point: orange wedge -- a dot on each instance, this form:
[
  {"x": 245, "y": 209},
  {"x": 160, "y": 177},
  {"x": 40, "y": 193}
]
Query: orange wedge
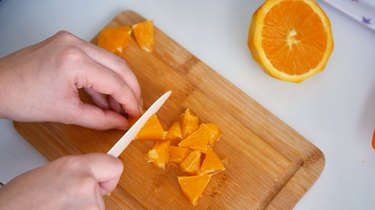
[
  {"x": 211, "y": 163},
  {"x": 189, "y": 123},
  {"x": 152, "y": 130},
  {"x": 192, "y": 163},
  {"x": 178, "y": 154},
  {"x": 114, "y": 39},
  {"x": 193, "y": 186},
  {"x": 214, "y": 134},
  {"x": 197, "y": 140},
  {"x": 290, "y": 39},
  {"x": 144, "y": 35},
  {"x": 174, "y": 133},
  {"x": 159, "y": 154}
]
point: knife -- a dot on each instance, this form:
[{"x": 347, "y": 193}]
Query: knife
[{"x": 125, "y": 140}]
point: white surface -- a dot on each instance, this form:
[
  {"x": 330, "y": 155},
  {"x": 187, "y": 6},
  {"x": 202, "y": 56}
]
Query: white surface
[{"x": 334, "y": 109}]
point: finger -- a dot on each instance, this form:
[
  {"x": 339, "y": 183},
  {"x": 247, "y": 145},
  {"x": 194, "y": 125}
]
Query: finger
[
  {"x": 93, "y": 117},
  {"x": 114, "y": 105},
  {"x": 99, "y": 99},
  {"x": 115, "y": 64},
  {"x": 106, "y": 169},
  {"x": 104, "y": 81}
]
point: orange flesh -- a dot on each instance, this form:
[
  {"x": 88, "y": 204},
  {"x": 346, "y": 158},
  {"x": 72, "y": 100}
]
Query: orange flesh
[{"x": 289, "y": 32}]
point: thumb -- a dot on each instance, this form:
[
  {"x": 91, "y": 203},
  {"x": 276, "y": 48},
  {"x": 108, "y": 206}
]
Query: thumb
[{"x": 91, "y": 116}]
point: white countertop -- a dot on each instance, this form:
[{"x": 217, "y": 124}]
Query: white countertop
[{"x": 335, "y": 110}]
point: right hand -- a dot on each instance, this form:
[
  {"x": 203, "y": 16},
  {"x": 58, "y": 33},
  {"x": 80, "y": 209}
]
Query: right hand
[{"x": 71, "y": 182}]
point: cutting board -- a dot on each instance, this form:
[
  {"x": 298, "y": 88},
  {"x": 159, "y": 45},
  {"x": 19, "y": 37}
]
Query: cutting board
[{"x": 269, "y": 165}]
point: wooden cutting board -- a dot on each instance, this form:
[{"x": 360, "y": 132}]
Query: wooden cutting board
[{"x": 270, "y": 165}]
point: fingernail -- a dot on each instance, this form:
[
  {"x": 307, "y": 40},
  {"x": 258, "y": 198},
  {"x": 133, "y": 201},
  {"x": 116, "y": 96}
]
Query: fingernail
[{"x": 140, "y": 109}]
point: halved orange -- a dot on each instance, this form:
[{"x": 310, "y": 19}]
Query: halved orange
[
  {"x": 193, "y": 186},
  {"x": 178, "y": 154},
  {"x": 144, "y": 35},
  {"x": 291, "y": 40},
  {"x": 197, "y": 140},
  {"x": 159, "y": 154},
  {"x": 211, "y": 163},
  {"x": 114, "y": 39},
  {"x": 174, "y": 133},
  {"x": 189, "y": 122},
  {"x": 191, "y": 163},
  {"x": 152, "y": 130}
]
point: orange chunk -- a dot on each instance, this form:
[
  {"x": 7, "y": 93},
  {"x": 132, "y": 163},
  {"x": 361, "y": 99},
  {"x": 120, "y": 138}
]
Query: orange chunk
[
  {"x": 197, "y": 140},
  {"x": 178, "y": 154},
  {"x": 144, "y": 35},
  {"x": 152, "y": 130},
  {"x": 214, "y": 135},
  {"x": 114, "y": 39},
  {"x": 174, "y": 132},
  {"x": 193, "y": 186},
  {"x": 159, "y": 154},
  {"x": 211, "y": 163},
  {"x": 189, "y": 123},
  {"x": 192, "y": 163}
]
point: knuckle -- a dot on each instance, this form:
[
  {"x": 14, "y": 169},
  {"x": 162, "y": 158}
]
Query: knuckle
[{"x": 65, "y": 37}]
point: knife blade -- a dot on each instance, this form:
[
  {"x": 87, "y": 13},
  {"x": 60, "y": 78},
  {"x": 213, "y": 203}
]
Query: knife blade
[{"x": 126, "y": 139}]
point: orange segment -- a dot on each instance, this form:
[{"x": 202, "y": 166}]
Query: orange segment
[
  {"x": 178, "y": 154},
  {"x": 174, "y": 132},
  {"x": 192, "y": 163},
  {"x": 144, "y": 35},
  {"x": 193, "y": 186},
  {"x": 291, "y": 40},
  {"x": 214, "y": 134},
  {"x": 211, "y": 163},
  {"x": 189, "y": 123},
  {"x": 114, "y": 39},
  {"x": 159, "y": 154},
  {"x": 197, "y": 140},
  {"x": 152, "y": 130}
]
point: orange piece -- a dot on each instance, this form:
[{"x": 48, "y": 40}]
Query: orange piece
[
  {"x": 197, "y": 140},
  {"x": 214, "y": 134},
  {"x": 291, "y": 40},
  {"x": 211, "y": 163},
  {"x": 144, "y": 35},
  {"x": 174, "y": 132},
  {"x": 152, "y": 130},
  {"x": 159, "y": 154},
  {"x": 189, "y": 123},
  {"x": 178, "y": 154},
  {"x": 191, "y": 163},
  {"x": 193, "y": 186},
  {"x": 114, "y": 39}
]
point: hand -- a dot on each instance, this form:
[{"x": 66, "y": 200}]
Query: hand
[
  {"x": 71, "y": 182},
  {"x": 41, "y": 82}
]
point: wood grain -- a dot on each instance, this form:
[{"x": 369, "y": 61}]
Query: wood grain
[{"x": 270, "y": 165}]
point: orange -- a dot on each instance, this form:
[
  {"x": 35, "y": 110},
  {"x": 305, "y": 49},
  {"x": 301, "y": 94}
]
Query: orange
[
  {"x": 174, "y": 132},
  {"x": 211, "y": 163},
  {"x": 290, "y": 39},
  {"x": 189, "y": 122},
  {"x": 197, "y": 140},
  {"x": 214, "y": 134},
  {"x": 159, "y": 154},
  {"x": 114, "y": 39},
  {"x": 193, "y": 186},
  {"x": 178, "y": 154},
  {"x": 192, "y": 163},
  {"x": 152, "y": 130},
  {"x": 144, "y": 35}
]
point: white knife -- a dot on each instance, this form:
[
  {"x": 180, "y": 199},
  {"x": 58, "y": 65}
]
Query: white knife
[{"x": 125, "y": 140}]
